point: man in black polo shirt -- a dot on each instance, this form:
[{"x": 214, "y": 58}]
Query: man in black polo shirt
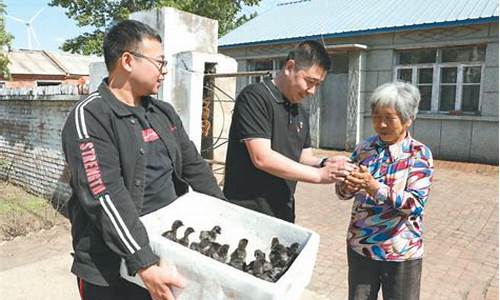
[{"x": 269, "y": 143}]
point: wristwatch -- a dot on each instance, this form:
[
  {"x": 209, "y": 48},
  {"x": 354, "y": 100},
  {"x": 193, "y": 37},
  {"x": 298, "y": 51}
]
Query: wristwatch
[{"x": 323, "y": 161}]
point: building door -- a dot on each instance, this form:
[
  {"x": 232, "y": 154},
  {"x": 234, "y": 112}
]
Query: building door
[{"x": 333, "y": 112}]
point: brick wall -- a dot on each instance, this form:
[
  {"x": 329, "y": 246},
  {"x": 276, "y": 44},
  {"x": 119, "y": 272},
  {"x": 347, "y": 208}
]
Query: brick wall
[
  {"x": 30, "y": 80},
  {"x": 30, "y": 144}
]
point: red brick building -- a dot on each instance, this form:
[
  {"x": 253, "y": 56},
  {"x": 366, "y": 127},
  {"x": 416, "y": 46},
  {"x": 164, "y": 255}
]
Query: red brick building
[{"x": 35, "y": 68}]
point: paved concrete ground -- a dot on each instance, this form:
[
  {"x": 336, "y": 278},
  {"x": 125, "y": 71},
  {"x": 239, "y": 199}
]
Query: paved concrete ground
[
  {"x": 461, "y": 238},
  {"x": 461, "y": 234}
]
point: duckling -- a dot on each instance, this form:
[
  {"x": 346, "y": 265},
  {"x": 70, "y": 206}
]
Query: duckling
[
  {"x": 195, "y": 246},
  {"x": 239, "y": 255},
  {"x": 260, "y": 268},
  {"x": 278, "y": 256},
  {"x": 211, "y": 234},
  {"x": 275, "y": 242},
  {"x": 292, "y": 252},
  {"x": 221, "y": 253},
  {"x": 249, "y": 268},
  {"x": 185, "y": 239},
  {"x": 204, "y": 244},
  {"x": 212, "y": 249},
  {"x": 172, "y": 233},
  {"x": 274, "y": 274}
]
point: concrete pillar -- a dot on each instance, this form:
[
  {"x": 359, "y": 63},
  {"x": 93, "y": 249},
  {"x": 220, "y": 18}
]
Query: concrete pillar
[
  {"x": 180, "y": 32},
  {"x": 97, "y": 72}
]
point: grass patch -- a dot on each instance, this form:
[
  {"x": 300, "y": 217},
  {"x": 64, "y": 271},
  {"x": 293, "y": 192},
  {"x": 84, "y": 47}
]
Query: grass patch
[
  {"x": 31, "y": 203},
  {"x": 21, "y": 212}
]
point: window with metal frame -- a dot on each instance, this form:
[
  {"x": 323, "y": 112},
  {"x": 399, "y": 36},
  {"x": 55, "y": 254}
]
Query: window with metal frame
[
  {"x": 272, "y": 65},
  {"x": 449, "y": 79}
]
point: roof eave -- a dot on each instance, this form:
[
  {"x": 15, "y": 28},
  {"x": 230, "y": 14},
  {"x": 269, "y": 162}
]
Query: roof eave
[{"x": 365, "y": 32}]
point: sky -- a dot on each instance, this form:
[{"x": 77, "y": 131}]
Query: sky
[{"x": 52, "y": 26}]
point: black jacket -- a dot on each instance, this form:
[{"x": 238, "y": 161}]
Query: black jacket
[{"x": 103, "y": 146}]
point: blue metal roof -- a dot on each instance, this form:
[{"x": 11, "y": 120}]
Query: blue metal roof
[{"x": 343, "y": 18}]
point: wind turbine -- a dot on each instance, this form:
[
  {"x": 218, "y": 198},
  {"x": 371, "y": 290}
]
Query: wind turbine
[{"x": 30, "y": 31}]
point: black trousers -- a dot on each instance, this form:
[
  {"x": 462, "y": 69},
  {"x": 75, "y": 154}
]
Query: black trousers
[
  {"x": 121, "y": 290},
  {"x": 399, "y": 280}
]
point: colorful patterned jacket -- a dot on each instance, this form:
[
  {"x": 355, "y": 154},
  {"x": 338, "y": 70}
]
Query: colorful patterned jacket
[{"x": 388, "y": 226}]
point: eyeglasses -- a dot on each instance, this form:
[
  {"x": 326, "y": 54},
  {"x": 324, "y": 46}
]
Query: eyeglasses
[
  {"x": 159, "y": 63},
  {"x": 310, "y": 81}
]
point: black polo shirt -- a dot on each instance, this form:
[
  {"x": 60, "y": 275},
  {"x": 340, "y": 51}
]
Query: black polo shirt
[{"x": 261, "y": 111}]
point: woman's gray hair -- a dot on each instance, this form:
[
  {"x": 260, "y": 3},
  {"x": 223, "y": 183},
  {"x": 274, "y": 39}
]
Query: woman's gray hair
[{"x": 404, "y": 97}]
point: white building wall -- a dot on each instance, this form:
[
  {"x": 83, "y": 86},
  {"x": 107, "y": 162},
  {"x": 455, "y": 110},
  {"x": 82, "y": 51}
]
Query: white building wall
[{"x": 472, "y": 138}]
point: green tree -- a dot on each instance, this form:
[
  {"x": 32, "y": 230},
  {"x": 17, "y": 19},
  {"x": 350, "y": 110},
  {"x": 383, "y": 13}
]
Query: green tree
[
  {"x": 5, "y": 39},
  {"x": 102, "y": 13}
]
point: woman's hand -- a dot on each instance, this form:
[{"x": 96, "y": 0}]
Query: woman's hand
[
  {"x": 349, "y": 187},
  {"x": 362, "y": 179}
]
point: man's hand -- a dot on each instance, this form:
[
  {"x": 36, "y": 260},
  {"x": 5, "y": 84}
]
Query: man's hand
[
  {"x": 339, "y": 167},
  {"x": 160, "y": 280}
]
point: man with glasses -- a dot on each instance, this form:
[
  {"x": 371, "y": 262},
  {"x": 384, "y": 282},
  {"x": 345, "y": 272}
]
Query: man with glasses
[
  {"x": 128, "y": 155},
  {"x": 269, "y": 143}
]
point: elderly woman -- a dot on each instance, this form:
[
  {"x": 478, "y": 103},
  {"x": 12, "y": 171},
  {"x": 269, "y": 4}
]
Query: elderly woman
[{"x": 391, "y": 187}]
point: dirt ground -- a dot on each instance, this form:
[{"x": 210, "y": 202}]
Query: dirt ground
[
  {"x": 36, "y": 266},
  {"x": 34, "y": 245}
]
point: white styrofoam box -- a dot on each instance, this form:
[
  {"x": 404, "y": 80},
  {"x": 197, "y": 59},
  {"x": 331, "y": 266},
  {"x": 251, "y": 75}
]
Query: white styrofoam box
[{"x": 209, "y": 279}]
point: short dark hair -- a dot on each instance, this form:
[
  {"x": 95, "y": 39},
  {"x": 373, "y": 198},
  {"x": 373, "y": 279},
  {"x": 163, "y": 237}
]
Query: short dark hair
[
  {"x": 309, "y": 53},
  {"x": 125, "y": 36}
]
